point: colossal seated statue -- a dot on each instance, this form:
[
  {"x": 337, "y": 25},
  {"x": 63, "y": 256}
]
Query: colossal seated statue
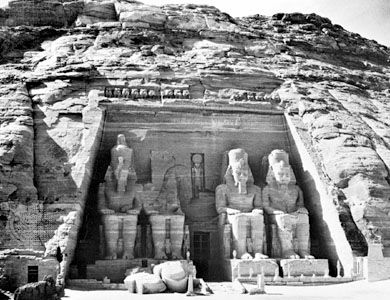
[
  {"x": 167, "y": 218},
  {"x": 117, "y": 202},
  {"x": 238, "y": 203},
  {"x": 283, "y": 203}
]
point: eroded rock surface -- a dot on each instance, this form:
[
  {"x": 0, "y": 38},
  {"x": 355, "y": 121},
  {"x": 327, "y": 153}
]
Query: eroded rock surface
[{"x": 333, "y": 83}]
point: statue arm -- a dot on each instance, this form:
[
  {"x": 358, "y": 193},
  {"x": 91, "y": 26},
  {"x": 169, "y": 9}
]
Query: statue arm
[
  {"x": 257, "y": 202},
  {"x": 267, "y": 203},
  {"x": 114, "y": 159},
  {"x": 132, "y": 159},
  {"x": 220, "y": 199},
  {"x": 300, "y": 203},
  {"x": 136, "y": 204}
]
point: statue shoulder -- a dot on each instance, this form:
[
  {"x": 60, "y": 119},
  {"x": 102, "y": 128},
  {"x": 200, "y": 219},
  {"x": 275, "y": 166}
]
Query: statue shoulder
[
  {"x": 297, "y": 188},
  {"x": 222, "y": 188},
  {"x": 256, "y": 188},
  {"x": 266, "y": 189}
]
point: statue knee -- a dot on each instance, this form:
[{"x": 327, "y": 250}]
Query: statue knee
[
  {"x": 222, "y": 219},
  {"x": 257, "y": 221},
  {"x": 303, "y": 219}
]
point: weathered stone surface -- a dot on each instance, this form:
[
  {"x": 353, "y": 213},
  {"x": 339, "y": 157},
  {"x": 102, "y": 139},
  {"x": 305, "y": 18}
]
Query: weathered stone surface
[
  {"x": 45, "y": 289},
  {"x": 96, "y": 11},
  {"x": 251, "y": 267},
  {"x": 16, "y": 141},
  {"x": 307, "y": 267},
  {"x": 144, "y": 283},
  {"x": 36, "y": 13},
  {"x": 137, "y": 12},
  {"x": 15, "y": 263},
  {"x": 333, "y": 82},
  {"x": 174, "y": 274}
]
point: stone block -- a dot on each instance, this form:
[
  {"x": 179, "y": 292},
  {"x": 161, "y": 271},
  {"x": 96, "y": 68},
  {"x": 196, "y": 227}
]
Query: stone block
[
  {"x": 102, "y": 10},
  {"x": 242, "y": 268},
  {"x": 307, "y": 267},
  {"x": 144, "y": 283},
  {"x": 137, "y": 12},
  {"x": 36, "y": 13}
]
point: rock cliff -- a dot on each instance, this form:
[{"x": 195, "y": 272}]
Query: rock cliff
[{"x": 334, "y": 84}]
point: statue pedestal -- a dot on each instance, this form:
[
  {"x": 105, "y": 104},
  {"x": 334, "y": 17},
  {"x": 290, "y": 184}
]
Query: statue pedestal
[
  {"x": 238, "y": 268},
  {"x": 307, "y": 267},
  {"x": 117, "y": 269}
]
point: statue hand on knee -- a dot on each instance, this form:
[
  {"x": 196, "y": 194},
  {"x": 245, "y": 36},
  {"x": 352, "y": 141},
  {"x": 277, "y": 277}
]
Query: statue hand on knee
[
  {"x": 302, "y": 210},
  {"x": 125, "y": 208},
  {"x": 107, "y": 211},
  {"x": 257, "y": 211},
  {"x": 232, "y": 211},
  {"x": 222, "y": 219}
]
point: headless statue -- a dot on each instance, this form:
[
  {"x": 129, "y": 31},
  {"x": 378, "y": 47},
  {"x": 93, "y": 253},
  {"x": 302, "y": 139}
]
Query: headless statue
[
  {"x": 167, "y": 218},
  {"x": 238, "y": 203},
  {"x": 117, "y": 202},
  {"x": 283, "y": 202}
]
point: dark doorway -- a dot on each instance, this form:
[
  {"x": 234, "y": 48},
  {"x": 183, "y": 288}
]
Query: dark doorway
[
  {"x": 32, "y": 274},
  {"x": 201, "y": 253}
]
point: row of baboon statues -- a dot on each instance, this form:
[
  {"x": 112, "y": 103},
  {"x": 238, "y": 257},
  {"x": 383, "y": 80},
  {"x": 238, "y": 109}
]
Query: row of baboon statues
[
  {"x": 241, "y": 205},
  {"x": 145, "y": 93},
  {"x": 170, "y": 93}
]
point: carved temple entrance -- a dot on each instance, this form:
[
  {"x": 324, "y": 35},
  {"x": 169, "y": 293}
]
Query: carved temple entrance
[
  {"x": 201, "y": 253},
  {"x": 178, "y": 156}
]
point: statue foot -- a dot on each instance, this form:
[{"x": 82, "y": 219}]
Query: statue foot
[
  {"x": 161, "y": 257},
  {"x": 260, "y": 256},
  {"x": 246, "y": 256},
  {"x": 128, "y": 255},
  {"x": 176, "y": 256},
  {"x": 306, "y": 255},
  {"x": 290, "y": 255}
]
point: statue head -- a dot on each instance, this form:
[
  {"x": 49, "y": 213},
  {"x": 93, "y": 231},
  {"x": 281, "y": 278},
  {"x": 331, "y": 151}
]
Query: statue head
[
  {"x": 278, "y": 155},
  {"x": 279, "y": 169},
  {"x": 197, "y": 160},
  {"x": 135, "y": 93},
  {"x": 143, "y": 93},
  {"x": 121, "y": 140},
  {"x": 282, "y": 173},
  {"x": 238, "y": 164},
  {"x": 152, "y": 93}
]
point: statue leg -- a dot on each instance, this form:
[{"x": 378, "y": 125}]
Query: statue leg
[
  {"x": 238, "y": 222},
  {"x": 225, "y": 233},
  {"x": 177, "y": 234},
  {"x": 285, "y": 223},
  {"x": 303, "y": 235},
  {"x": 158, "y": 233},
  {"x": 257, "y": 229},
  {"x": 129, "y": 235},
  {"x": 111, "y": 234}
]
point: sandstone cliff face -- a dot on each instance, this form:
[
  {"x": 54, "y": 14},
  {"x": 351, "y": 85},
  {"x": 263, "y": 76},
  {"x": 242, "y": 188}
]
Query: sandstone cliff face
[{"x": 333, "y": 83}]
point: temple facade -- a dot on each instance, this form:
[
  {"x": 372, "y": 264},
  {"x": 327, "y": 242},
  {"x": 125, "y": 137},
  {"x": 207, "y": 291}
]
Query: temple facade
[{"x": 135, "y": 136}]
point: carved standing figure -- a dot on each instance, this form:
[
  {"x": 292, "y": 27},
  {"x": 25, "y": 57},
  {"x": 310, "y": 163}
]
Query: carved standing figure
[
  {"x": 283, "y": 202},
  {"x": 197, "y": 174},
  {"x": 117, "y": 202},
  {"x": 238, "y": 203}
]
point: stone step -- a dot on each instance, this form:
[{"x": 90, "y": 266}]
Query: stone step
[
  {"x": 299, "y": 280},
  {"x": 114, "y": 286},
  {"x": 87, "y": 284}
]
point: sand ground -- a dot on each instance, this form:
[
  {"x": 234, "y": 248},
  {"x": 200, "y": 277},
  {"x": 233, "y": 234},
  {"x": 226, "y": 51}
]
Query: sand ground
[{"x": 354, "y": 290}]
